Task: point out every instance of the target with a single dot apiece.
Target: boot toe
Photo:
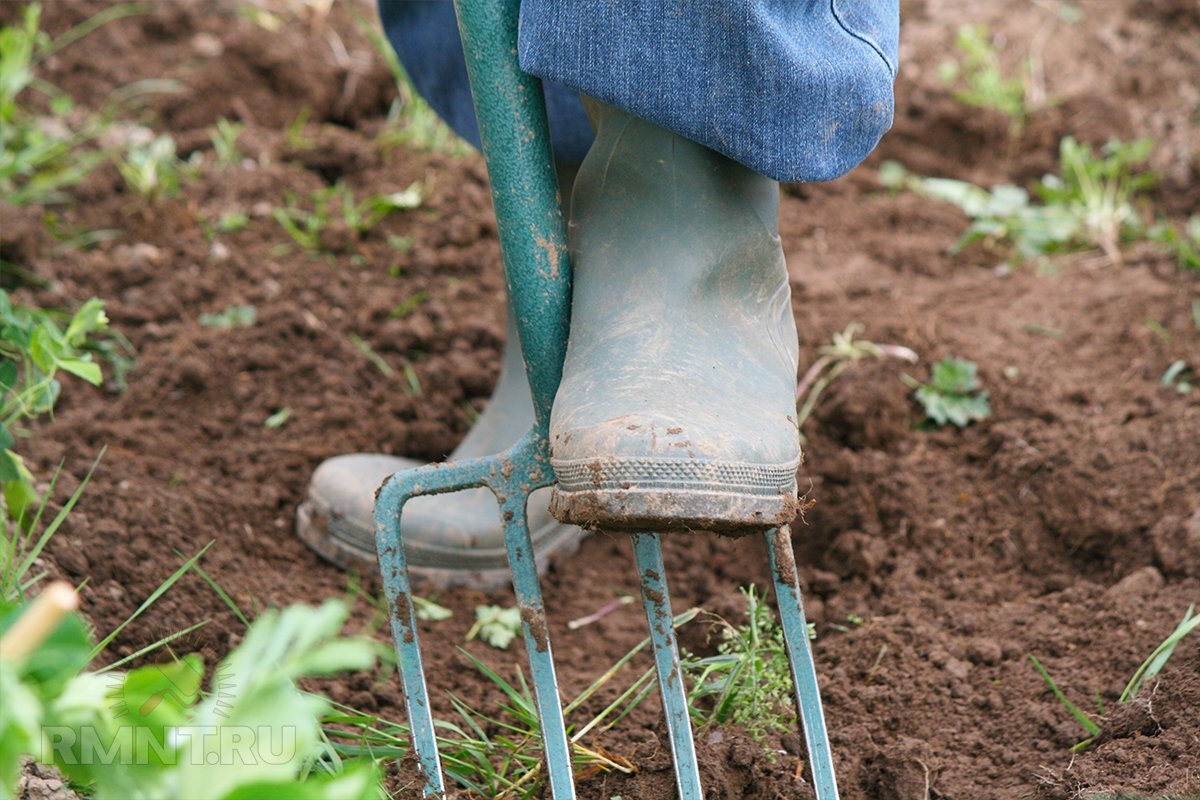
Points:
(699, 470)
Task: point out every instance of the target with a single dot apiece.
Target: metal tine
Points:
(555, 747)
(804, 670)
(389, 505)
(647, 551)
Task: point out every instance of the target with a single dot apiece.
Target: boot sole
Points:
(483, 569)
(678, 494)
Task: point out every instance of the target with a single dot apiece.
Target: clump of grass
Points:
(152, 170)
(236, 316)
(749, 681)
(953, 393)
(499, 755)
(1091, 204)
(1149, 668)
(980, 82)
(332, 221)
(411, 123)
(224, 141)
(40, 155)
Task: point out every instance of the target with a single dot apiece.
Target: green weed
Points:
(1183, 245)
(152, 170)
(39, 155)
(333, 221)
(255, 734)
(836, 358)
(411, 122)
(979, 81)
(231, 317)
(500, 755)
(953, 393)
(35, 350)
(1179, 376)
(22, 545)
(496, 625)
(1092, 203)
(278, 419)
(749, 681)
(1149, 668)
(224, 141)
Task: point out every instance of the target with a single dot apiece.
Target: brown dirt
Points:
(1067, 526)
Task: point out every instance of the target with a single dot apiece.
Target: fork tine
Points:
(804, 671)
(394, 568)
(648, 553)
(528, 589)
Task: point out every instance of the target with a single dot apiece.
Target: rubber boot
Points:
(450, 539)
(677, 404)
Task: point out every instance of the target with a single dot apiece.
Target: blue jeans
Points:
(798, 90)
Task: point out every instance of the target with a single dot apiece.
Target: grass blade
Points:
(1087, 722)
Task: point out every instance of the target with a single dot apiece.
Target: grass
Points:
(748, 682)
(331, 220)
(151, 170)
(43, 153)
(498, 754)
(1092, 203)
(979, 81)
(1149, 668)
(411, 123)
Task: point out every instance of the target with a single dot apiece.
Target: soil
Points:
(1066, 526)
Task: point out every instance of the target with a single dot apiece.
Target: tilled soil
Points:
(1066, 526)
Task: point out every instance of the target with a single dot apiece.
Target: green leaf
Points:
(953, 394)
(277, 419)
(87, 370)
(496, 625)
(359, 781)
(62, 656)
(430, 611)
(1087, 722)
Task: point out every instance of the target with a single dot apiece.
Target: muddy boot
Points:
(451, 539)
(677, 403)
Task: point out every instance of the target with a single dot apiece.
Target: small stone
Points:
(218, 252)
(1137, 584)
(1177, 544)
(855, 553)
(985, 651)
(206, 45)
(141, 254)
(959, 669)
(938, 656)
(823, 582)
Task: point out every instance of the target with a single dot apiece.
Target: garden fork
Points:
(512, 121)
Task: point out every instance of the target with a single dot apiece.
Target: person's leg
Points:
(455, 538)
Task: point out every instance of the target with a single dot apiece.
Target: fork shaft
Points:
(648, 552)
(804, 671)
